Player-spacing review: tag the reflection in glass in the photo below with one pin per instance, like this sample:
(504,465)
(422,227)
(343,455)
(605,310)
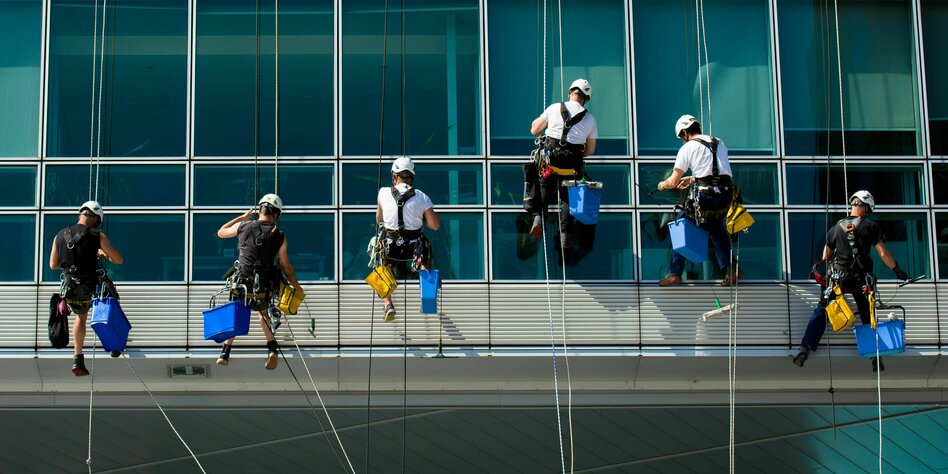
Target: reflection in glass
(21,234)
(119,185)
(242,185)
(20,26)
(890,185)
(18,186)
(941,234)
(507,183)
(758,183)
(459,246)
(453,184)
(358,228)
(934,16)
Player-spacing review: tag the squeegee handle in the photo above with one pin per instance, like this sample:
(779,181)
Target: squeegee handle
(911,280)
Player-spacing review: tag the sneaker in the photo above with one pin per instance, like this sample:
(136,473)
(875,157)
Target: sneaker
(389,313)
(224,358)
(115,354)
(880,367)
(731,278)
(801,357)
(272,355)
(670,279)
(79,366)
(537,230)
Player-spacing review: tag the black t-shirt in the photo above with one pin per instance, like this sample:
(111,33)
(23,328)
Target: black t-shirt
(263,255)
(866,234)
(84,256)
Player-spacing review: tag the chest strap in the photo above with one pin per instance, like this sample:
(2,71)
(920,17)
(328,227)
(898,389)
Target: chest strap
(569,122)
(400,200)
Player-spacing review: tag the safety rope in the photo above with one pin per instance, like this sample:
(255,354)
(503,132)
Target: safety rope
(162,410)
(569,382)
(98,138)
(878,388)
(559,13)
(404,372)
(276,96)
(707,68)
(256,105)
(842,121)
(698,64)
(91,391)
(95,37)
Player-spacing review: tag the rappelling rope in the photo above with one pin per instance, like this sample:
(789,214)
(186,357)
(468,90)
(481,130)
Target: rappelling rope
(98,138)
(91,391)
(707,66)
(276,96)
(95,37)
(256,105)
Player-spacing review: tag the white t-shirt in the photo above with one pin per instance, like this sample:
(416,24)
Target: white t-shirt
(413,210)
(586,128)
(698,158)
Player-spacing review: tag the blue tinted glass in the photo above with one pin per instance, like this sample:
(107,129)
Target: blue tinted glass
(758,251)
(507,183)
(159,258)
(18,186)
(458,246)
(670,81)
(941,234)
(888,184)
(234,185)
(18,262)
(432,91)
(144,94)
(225,77)
(600,252)
(758,183)
(357,230)
(935,36)
(444,184)
(20,26)
(119,185)
(506,186)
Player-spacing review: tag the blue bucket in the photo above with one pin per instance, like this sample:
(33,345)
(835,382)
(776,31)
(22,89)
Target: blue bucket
(110,324)
(430,283)
(584,203)
(891,338)
(226,321)
(689,240)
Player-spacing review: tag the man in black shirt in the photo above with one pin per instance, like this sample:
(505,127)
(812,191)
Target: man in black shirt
(847,253)
(76,251)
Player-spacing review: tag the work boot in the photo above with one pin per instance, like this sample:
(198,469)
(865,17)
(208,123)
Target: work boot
(877,367)
(389,313)
(79,366)
(224,358)
(731,278)
(115,354)
(272,356)
(537,230)
(669,280)
(801,357)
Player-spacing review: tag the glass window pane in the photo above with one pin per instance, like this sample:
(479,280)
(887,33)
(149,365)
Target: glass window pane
(454,184)
(18,186)
(941,228)
(160,258)
(806,184)
(600,252)
(669,80)
(759,250)
(940,175)
(432,91)
(934,19)
(234,185)
(881,99)
(906,238)
(595,49)
(459,251)
(358,228)
(225,73)
(18,262)
(758,182)
(20,32)
(507,183)
(144,94)
(119,185)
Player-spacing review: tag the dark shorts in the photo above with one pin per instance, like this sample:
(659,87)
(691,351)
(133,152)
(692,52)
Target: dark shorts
(78,293)
(263,299)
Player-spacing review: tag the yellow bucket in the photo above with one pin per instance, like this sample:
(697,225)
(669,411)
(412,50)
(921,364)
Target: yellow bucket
(382,280)
(290,299)
(839,313)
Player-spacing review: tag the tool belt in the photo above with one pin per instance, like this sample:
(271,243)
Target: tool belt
(561,157)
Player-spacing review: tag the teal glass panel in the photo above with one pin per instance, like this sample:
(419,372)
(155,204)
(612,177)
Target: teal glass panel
(940,175)
(19,259)
(941,234)
(758,183)
(119,185)
(670,81)
(454,184)
(906,238)
(880,95)
(309,240)
(146,259)
(144,93)
(18,186)
(889,185)
(507,183)
(935,37)
(21,24)
(241,186)
(594,48)
(432,81)
(759,250)
(458,246)
(357,230)
(226,78)
(600,252)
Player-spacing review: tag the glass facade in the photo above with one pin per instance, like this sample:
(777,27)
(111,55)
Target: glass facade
(188,123)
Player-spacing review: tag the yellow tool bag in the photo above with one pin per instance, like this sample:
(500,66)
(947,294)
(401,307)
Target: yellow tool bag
(738,218)
(290,299)
(838,311)
(382,280)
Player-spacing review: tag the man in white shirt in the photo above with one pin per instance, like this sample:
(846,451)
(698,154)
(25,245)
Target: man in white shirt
(560,157)
(403,211)
(706,157)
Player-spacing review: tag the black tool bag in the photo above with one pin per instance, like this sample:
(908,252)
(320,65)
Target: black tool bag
(58,324)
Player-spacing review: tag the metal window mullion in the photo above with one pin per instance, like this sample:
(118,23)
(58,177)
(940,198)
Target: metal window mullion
(44,81)
(778,83)
(920,81)
(485,77)
(630,82)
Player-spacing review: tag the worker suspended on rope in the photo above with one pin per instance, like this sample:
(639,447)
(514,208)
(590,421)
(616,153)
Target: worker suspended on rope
(261,267)
(401,213)
(569,135)
(849,267)
(76,251)
(712,190)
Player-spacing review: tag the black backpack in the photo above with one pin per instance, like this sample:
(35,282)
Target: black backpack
(58,324)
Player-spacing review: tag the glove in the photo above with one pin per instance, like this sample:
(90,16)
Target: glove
(900,274)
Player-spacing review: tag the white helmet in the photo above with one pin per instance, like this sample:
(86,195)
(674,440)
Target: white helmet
(684,122)
(272,200)
(93,206)
(583,86)
(864,197)
(403,164)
